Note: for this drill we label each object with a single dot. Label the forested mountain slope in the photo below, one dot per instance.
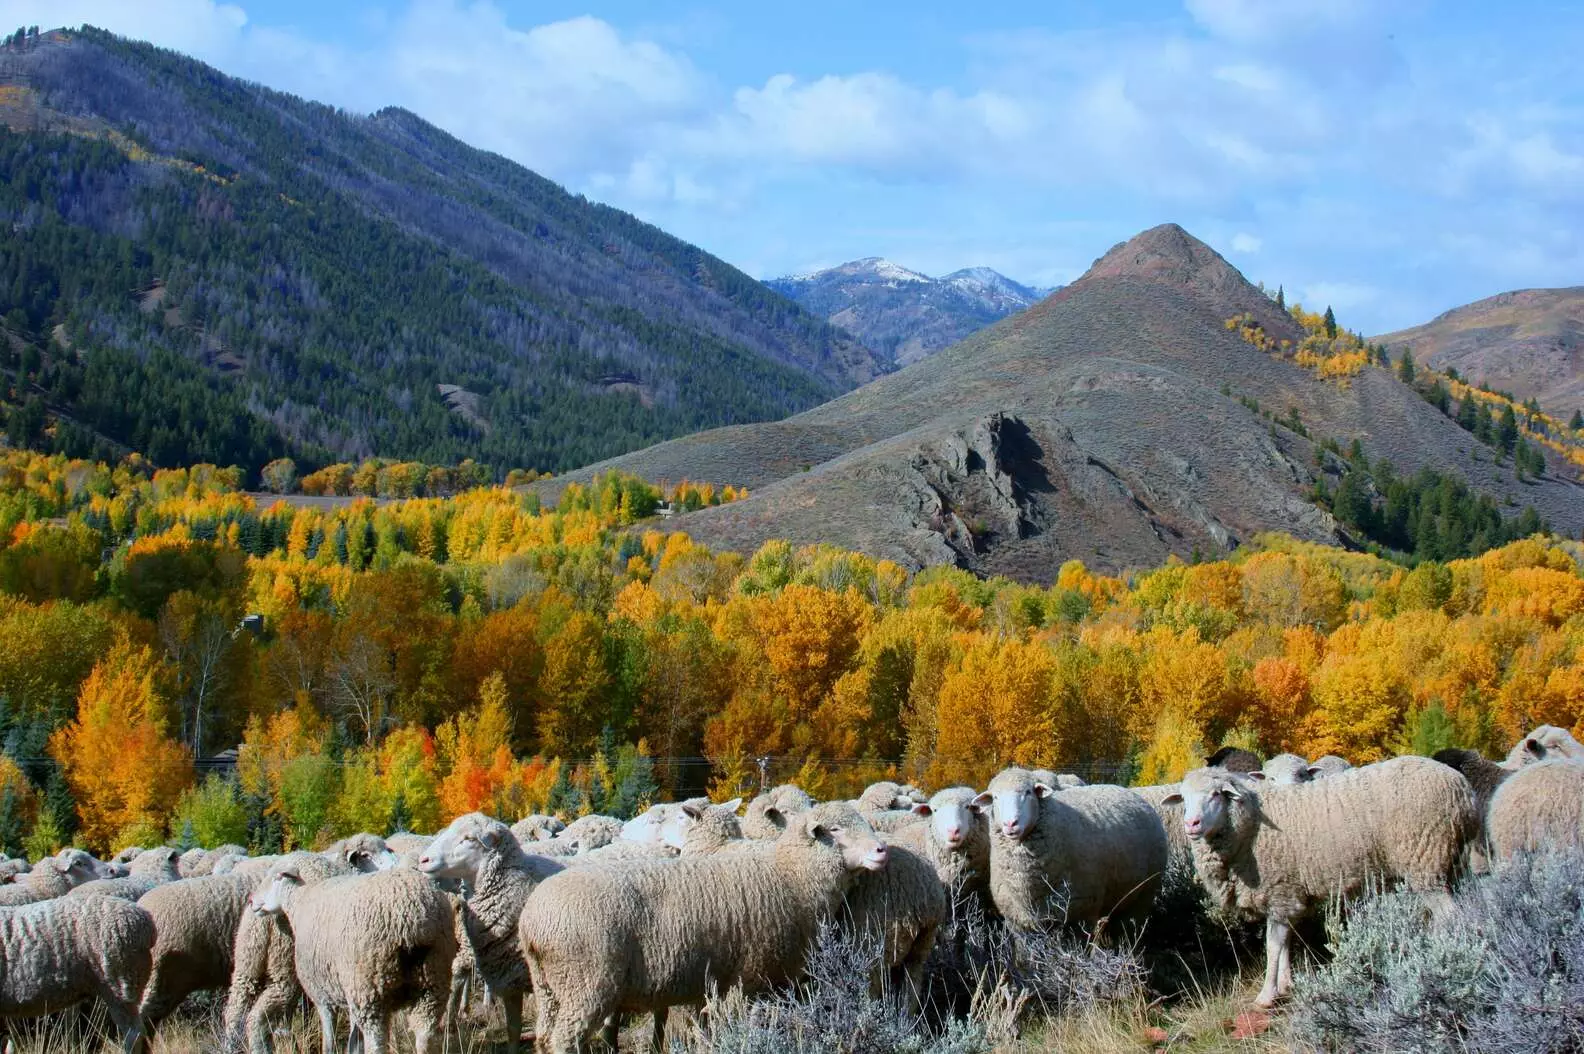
(206, 270)
(1159, 405)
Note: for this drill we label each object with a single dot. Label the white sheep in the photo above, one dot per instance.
(590, 832)
(767, 814)
(55, 876)
(646, 826)
(195, 925)
(483, 853)
(704, 828)
(1545, 743)
(1539, 807)
(1279, 852)
(369, 944)
(1101, 851)
(151, 868)
(11, 867)
(1328, 765)
(264, 984)
(901, 907)
(886, 795)
(1287, 769)
(537, 827)
(58, 952)
(955, 839)
(650, 935)
(364, 852)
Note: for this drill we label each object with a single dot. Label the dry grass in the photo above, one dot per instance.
(1206, 1022)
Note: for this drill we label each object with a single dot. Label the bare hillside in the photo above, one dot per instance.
(1104, 423)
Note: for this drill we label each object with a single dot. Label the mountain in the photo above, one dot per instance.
(1529, 342)
(204, 269)
(1118, 421)
(901, 314)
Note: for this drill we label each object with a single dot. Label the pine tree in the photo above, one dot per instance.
(1330, 323)
(1281, 298)
(1467, 417)
(10, 822)
(1576, 422)
(58, 802)
(1405, 368)
(189, 838)
(400, 815)
(1507, 430)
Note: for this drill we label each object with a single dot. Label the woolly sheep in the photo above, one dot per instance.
(955, 839)
(1541, 806)
(403, 842)
(1100, 849)
(1280, 852)
(1328, 765)
(1545, 742)
(887, 794)
(363, 852)
(264, 984)
(591, 832)
(645, 827)
(55, 876)
(153, 867)
(214, 857)
(256, 865)
(1484, 777)
(195, 925)
(483, 853)
(127, 855)
(706, 828)
(1286, 769)
(537, 827)
(10, 868)
(369, 944)
(62, 951)
(190, 860)
(1234, 759)
(655, 934)
(891, 821)
(767, 814)
(1059, 780)
(902, 907)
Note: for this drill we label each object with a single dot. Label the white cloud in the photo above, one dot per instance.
(197, 27)
(1243, 242)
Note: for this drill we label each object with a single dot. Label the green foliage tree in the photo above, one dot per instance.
(1330, 323)
(1405, 367)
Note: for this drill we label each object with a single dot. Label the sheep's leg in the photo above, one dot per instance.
(372, 1028)
(544, 1007)
(1284, 975)
(659, 1028)
(127, 1021)
(427, 1019)
(327, 1027)
(1276, 934)
(511, 1002)
(576, 1021)
(273, 1003)
(610, 1034)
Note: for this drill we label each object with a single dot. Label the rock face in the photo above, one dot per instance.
(903, 315)
(1529, 342)
(1105, 423)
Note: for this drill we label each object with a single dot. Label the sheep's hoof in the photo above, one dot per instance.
(1265, 1000)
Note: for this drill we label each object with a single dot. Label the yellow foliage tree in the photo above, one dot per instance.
(995, 710)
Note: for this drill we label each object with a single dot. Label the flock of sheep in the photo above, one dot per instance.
(600, 918)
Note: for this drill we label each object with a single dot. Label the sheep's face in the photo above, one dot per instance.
(953, 818)
(461, 849)
(1286, 769)
(1206, 796)
(270, 898)
(840, 825)
(1547, 741)
(649, 828)
(127, 855)
(1014, 802)
(369, 854)
(79, 867)
(163, 862)
(683, 818)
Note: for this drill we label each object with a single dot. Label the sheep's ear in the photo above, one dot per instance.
(773, 814)
(730, 806)
(1174, 798)
(1043, 790)
(693, 810)
(1258, 776)
(921, 808)
(982, 801)
(819, 832)
(1535, 747)
(1234, 791)
(490, 837)
(1313, 771)
(290, 874)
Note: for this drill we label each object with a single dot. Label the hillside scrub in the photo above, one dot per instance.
(423, 658)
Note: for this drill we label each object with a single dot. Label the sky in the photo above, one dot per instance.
(1390, 158)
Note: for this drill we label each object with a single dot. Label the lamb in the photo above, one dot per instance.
(955, 839)
(483, 853)
(59, 952)
(1101, 849)
(363, 852)
(1541, 806)
(1545, 742)
(371, 944)
(1234, 759)
(53, 877)
(768, 813)
(1279, 853)
(153, 867)
(195, 925)
(1328, 765)
(537, 827)
(655, 934)
(264, 984)
(1286, 769)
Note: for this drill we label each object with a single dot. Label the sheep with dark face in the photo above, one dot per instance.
(1070, 857)
(1277, 853)
(1234, 759)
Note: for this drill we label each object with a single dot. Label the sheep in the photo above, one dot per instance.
(1541, 806)
(483, 853)
(363, 852)
(879, 797)
(59, 952)
(646, 826)
(537, 827)
(214, 857)
(655, 934)
(1328, 765)
(1286, 769)
(1484, 778)
(153, 867)
(591, 832)
(403, 842)
(127, 855)
(1234, 759)
(702, 829)
(902, 907)
(370, 944)
(264, 984)
(54, 876)
(767, 814)
(1101, 849)
(955, 839)
(1545, 742)
(190, 860)
(1279, 853)
(255, 865)
(195, 925)
(1059, 780)
(10, 868)
(892, 821)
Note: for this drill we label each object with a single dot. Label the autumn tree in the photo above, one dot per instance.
(574, 685)
(279, 476)
(994, 711)
(122, 767)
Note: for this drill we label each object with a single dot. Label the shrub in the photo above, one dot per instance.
(1500, 969)
(215, 811)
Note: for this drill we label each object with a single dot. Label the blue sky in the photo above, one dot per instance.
(1393, 158)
